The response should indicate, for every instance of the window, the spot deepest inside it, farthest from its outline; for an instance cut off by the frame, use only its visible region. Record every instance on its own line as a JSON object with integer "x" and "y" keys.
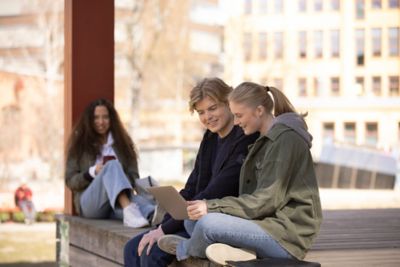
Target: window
{"x": 394, "y": 3}
{"x": 302, "y": 44}
{"x": 335, "y": 86}
{"x": 360, "y": 85}
{"x": 328, "y": 132}
{"x": 278, "y": 6}
{"x": 302, "y": 5}
{"x": 371, "y": 133}
{"x": 350, "y": 132}
{"x": 262, "y": 45}
{"x": 360, "y": 44}
{"x": 278, "y": 83}
{"x": 278, "y": 44}
{"x": 394, "y": 85}
{"x": 398, "y": 133}
{"x": 247, "y": 6}
{"x": 318, "y": 41}
{"x": 376, "y": 85}
{"x": 376, "y": 4}
{"x": 317, "y": 5}
{"x": 376, "y": 34}
{"x": 263, "y": 6}
{"x": 335, "y": 43}
{"x": 247, "y": 46}
{"x": 394, "y": 41}
{"x": 335, "y": 4}
{"x": 317, "y": 86}
{"x": 302, "y": 86}
{"x": 360, "y": 11}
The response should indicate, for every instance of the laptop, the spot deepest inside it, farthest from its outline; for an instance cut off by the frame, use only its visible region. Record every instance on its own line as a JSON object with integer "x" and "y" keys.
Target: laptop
{"x": 170, "y": 199}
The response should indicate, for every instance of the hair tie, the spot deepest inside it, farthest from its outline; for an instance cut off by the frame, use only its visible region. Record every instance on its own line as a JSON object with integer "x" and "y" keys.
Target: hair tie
{"x": 272, "y": 98}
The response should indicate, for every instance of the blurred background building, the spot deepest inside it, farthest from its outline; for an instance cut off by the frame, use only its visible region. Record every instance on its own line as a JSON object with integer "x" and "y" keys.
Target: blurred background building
{"x": 337, "y": 60}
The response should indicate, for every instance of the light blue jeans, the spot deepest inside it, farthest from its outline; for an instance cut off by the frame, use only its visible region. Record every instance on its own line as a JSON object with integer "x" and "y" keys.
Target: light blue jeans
{"x": 28, "y": 209}
{"x": 99, "y": 200}
{"x": 231, "y": 230}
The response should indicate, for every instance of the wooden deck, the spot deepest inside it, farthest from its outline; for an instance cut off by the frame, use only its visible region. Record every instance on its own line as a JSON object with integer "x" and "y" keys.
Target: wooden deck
{"x": 347, "y": 238}
{"x": 358, "y": 238}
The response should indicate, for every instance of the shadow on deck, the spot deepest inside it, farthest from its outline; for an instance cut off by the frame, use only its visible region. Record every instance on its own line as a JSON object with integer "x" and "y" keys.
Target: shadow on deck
{"x": 347, "y": 238}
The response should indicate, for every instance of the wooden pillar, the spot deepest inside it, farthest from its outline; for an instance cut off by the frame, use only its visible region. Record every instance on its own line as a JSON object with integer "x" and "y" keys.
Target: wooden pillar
{"x": 88, "y": 62}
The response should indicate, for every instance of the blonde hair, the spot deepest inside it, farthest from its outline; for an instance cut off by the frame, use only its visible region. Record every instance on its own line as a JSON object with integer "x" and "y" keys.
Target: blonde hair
{"x": 254, "y": 95}
{"x": 214, "y": 88}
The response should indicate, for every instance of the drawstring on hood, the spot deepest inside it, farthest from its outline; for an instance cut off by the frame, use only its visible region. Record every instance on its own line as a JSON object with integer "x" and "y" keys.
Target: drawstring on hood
{"x": 296, "y": 122}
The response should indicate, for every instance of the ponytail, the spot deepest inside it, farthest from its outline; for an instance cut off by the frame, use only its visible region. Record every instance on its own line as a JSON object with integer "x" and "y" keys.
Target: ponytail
{"x": 281, "y": 103}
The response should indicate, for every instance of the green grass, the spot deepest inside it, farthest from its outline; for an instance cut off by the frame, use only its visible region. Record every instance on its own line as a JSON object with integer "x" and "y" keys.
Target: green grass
{"x": 27, "y": 243}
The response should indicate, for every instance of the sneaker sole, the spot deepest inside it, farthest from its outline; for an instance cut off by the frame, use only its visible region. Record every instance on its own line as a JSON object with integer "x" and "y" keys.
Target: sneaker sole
{"x": 219, "y": 253}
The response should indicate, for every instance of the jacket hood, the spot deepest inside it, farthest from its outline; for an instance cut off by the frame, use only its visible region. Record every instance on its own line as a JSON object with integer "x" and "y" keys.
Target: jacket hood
{"x": 295, "y": 122}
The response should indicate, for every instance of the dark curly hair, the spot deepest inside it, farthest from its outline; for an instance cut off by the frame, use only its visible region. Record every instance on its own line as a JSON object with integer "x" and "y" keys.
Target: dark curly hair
{"x": 85, "y": 139}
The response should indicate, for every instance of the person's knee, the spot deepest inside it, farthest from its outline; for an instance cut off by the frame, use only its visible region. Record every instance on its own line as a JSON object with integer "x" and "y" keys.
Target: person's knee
{"x": 112, "y": 164}
{"x": 130, "y": 252}
{"x": 209, "y": 224}
{"x": 210, "y": 220}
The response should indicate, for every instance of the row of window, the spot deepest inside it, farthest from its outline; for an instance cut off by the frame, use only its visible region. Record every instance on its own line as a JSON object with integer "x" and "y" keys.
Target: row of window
{"x": 374, "y": 87}
{"x": 276, "y": 40}
{"x": 361, "y": 89}
{"x": 349, "y": 132}
{"x": 375, "y": 4}
{"x": 335, "y": 88}
{"x": 277, "y": 6}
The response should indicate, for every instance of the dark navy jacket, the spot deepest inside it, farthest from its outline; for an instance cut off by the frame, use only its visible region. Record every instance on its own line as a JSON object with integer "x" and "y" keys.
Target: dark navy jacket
{"x": 202, "y": 183}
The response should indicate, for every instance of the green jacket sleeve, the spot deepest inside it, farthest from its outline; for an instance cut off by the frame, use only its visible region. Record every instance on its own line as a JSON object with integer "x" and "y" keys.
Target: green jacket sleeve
{"x": 273, "y": 177}
{"x": 76, "y": 178}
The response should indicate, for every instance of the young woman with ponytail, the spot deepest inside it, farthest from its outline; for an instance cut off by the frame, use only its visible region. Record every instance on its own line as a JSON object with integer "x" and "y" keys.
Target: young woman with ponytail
{"x": 277, "y": 213}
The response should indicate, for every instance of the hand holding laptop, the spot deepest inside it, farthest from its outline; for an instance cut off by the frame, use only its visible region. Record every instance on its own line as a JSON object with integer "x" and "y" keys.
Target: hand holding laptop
{"x": 196, "y": 209}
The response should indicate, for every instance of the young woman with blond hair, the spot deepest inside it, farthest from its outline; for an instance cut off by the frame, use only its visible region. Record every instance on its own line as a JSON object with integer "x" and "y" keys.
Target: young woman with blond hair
{"x": 277, "y": 213}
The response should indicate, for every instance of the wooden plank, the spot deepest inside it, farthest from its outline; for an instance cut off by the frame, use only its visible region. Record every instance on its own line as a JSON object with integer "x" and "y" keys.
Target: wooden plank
{"x": 347, "y": 238}
{"x": 359, "y": 257}
{"x": 101, "y": 237}
{"x": 79, "y": 257}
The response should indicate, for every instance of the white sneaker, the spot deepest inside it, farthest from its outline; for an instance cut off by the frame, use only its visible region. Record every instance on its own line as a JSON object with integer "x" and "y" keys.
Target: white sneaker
{"x": 133, "y": 217}
{"x": 220, "y": 253}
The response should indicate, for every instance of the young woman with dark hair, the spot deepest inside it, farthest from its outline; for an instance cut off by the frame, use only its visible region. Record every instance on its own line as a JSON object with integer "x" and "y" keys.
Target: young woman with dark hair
{"x": 101, "y": 168}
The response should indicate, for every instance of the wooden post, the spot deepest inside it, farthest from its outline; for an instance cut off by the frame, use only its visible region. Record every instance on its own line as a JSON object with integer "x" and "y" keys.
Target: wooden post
{"x": 88, "y": 62}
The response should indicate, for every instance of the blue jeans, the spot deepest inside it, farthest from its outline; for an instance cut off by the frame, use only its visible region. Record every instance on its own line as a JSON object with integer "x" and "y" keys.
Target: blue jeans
{"x": 99, "y": 200}
{"x": 28, "y": 209}
{"x": 157, "y": 257}
{"x": 230, "y": 230}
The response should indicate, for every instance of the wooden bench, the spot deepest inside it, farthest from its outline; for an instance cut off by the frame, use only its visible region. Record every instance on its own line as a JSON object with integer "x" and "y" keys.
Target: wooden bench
{"x": 347, "y": 238}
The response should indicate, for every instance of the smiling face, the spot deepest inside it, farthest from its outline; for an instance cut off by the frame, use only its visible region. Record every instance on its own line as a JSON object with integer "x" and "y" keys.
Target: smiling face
{"x": 101, "y": 120}
{"x": 248, "y": 118}
{"x": 215, "y": 116}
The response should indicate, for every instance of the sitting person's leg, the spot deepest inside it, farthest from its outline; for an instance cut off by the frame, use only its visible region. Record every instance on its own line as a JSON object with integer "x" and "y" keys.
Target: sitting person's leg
{"x": 109, "y": 190}
{"x": 234, "y": 231}
{"x": 28, "y": 210}
{"x": 31, "y": 211}
{"x": 146, "y": 206}
{"x": 156, "y": 257}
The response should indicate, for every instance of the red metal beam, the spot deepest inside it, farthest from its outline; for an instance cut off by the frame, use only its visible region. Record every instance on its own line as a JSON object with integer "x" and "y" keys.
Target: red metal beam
{"x": 88, "y": 62}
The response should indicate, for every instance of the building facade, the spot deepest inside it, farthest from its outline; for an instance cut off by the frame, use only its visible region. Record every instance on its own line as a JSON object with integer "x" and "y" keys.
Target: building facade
{"x": 337, "y": 60}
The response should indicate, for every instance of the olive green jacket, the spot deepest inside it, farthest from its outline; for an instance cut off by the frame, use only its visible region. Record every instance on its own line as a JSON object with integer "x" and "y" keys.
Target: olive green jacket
{"x": 77, "y": 175}
{"x": 278, "y": 190}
